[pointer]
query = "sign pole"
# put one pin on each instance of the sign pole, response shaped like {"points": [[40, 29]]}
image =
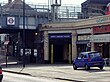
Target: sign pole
{"points": [[23, 33]]}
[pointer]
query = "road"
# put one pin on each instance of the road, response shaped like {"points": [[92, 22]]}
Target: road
{"points": [[10, 77], [57, 73]]}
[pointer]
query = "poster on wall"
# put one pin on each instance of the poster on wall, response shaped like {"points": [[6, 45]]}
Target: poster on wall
{"points": [[27, 52], [21, 52], [35, 52]]}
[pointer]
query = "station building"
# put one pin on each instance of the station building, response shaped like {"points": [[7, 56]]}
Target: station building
{"points": [[63, 41], [11, 29], [52, 42], [11, 25]]}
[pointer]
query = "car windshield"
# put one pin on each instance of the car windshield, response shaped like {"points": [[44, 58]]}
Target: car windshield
{"points": [[95, 54]]}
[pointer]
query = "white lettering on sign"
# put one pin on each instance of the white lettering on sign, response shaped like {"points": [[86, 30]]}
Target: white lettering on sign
{"points": [[100, 38], [101, 20]]}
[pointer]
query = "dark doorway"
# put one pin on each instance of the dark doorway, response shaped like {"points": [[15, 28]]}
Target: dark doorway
{"points": [[59, 47], [81, 48], [103, 48], [58, 53], [106, 50]]}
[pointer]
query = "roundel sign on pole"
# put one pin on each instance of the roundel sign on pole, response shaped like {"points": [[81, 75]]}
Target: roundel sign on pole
{"points": [[10, 20]]}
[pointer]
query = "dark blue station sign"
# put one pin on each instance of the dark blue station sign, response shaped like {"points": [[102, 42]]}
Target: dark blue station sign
{"points": [[60, 36]]}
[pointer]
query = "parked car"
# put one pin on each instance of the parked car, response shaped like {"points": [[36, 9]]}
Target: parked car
{"points": [[1, 75], [88, 59]]}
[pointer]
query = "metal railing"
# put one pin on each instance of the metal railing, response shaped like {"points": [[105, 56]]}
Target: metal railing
{"points": [[64, 11]]}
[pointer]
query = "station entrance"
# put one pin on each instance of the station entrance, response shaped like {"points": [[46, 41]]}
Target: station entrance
{"points": [[60, 48]]}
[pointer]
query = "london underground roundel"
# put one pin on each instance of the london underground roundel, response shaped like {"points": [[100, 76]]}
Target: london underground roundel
{"points": [[10, 20]]}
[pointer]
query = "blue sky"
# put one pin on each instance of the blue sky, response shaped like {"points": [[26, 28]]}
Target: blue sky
{"points": [[75, 2]]}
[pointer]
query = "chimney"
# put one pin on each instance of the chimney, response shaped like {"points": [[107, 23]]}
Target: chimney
{"points": [[9, 1]]}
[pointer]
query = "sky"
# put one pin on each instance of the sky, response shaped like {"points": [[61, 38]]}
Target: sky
{"points": [[73, 2]]}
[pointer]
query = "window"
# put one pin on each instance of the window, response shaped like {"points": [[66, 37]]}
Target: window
{"points": [[31, 21], [80, 56], [85, 56], [93, 55], [28, 20], [21, 21]]}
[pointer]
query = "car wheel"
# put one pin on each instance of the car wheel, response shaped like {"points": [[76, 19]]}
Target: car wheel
{"points": [[87, 67], [101, 67], [74, 67]]}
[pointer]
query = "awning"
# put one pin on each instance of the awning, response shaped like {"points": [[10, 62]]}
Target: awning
{"points": [[6, 42]]}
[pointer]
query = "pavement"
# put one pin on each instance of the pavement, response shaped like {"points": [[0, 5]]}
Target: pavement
{"points": [[62, 72]]}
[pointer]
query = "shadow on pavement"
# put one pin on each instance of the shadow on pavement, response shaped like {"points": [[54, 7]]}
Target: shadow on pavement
{"points": [[69, 80], [92, 70]]}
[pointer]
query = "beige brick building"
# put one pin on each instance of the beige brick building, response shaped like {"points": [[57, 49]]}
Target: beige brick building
{"points": [[63, 41]]}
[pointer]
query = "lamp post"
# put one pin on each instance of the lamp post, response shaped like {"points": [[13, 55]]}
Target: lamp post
{"points": [[23, 33], [48, 11]]}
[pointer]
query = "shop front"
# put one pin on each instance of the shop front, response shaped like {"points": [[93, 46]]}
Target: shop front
{"points": [[83, 40], [83, 43], [102, 44], [101, 39]]}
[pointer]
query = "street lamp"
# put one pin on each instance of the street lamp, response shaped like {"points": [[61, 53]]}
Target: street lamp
{"points": [[48, 11], [23, 33]]}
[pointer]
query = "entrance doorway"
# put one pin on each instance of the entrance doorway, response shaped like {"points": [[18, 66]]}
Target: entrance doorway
{"points": [[103, 48], [58, 53], [60, 50]]}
